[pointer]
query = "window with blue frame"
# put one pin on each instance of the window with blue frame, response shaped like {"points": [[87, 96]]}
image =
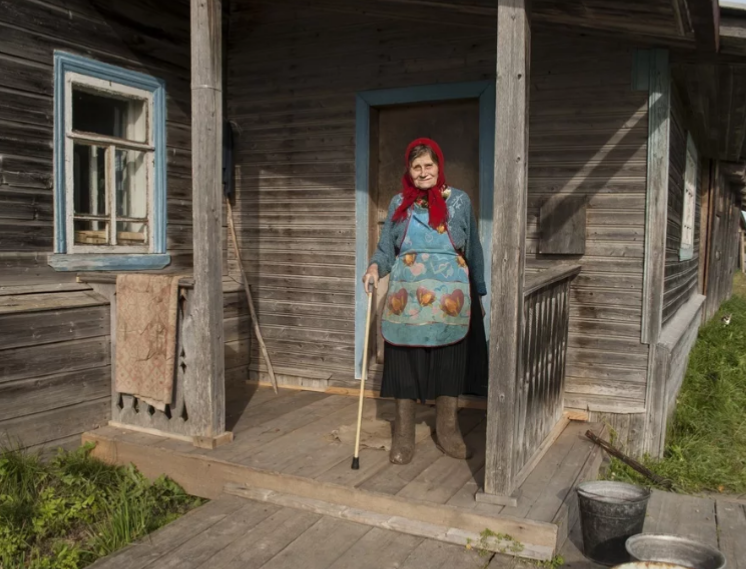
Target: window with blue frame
{"points": [[110, 167]]}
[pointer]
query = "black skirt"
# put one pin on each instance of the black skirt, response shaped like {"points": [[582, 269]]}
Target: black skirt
{"points": [[427, 373]]}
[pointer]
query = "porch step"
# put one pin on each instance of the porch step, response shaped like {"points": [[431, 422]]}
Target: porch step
{"points": [[284, 453], [408, 524]]}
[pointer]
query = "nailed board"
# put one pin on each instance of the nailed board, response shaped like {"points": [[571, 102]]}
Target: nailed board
{"points": [[562, 225]]}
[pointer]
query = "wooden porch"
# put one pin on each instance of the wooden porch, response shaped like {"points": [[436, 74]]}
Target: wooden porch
{"points": [[233, 533], [294, 449]]}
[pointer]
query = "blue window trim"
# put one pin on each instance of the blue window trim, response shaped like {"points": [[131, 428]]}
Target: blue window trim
{"points": [[484, 91], [68, 63]]}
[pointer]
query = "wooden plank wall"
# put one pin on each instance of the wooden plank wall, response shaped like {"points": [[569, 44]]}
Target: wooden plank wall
{"points": [[293, 75], [147, 36], [681, 276], [588, 138], [724, 210], [56, 383], [54, 366]]}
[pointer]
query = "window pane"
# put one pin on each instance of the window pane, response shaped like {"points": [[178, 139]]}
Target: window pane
{"points": [[101, 113], [132, 233], [91, 232], [89, 179], [132, 183]]}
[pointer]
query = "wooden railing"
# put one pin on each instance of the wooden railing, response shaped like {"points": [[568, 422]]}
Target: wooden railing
{"points": [[540, 390]]}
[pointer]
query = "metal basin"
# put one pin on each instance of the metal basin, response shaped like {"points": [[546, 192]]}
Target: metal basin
{"points": [[676, 550], [649, 565]]}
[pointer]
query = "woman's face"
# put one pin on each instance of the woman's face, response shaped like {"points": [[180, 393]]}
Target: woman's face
{"points": [[424, 172]]}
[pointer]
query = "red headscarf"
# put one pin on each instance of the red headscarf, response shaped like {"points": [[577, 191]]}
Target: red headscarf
{"points": [[437, 205]]}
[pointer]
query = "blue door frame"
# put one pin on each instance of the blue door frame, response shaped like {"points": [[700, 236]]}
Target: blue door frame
{"points": [[484, 91]]}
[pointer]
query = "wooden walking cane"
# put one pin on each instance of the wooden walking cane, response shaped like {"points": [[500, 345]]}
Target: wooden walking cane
{"points": [[246, 287], [356, 456]]}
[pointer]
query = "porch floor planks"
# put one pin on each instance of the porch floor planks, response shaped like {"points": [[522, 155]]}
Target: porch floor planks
{"points": [[320, 545], [438, 555], [392, 478], [378, 548], [277, 406], [235, 533], [162, 542], [251, 440], [442, 479], [262, 543], [731, 519], [198, 552], [291, 435], [686, 516], [547, 487], [374, 460], [294, 453]]}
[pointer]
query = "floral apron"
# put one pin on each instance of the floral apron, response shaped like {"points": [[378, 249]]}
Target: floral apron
{"points": [[428, 302]]}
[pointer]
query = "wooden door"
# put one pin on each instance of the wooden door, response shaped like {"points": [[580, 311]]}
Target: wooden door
{"points": [[454, 125]]}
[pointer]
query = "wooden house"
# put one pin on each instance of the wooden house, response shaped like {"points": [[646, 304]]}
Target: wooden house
{"points": [[602, 146]]}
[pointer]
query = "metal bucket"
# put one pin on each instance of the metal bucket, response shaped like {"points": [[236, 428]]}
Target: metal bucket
{"points": [[610, 513], [673, 549]]}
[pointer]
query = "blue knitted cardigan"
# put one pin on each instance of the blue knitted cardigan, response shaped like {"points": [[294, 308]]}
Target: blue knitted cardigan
{"points": [[461, 224]]}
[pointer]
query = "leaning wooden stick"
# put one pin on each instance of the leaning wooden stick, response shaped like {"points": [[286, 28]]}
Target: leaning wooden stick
{"points": [[631, 462], [356, 456], [249, 298]]}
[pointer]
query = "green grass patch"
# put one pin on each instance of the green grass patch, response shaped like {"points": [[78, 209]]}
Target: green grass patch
{"points": [[67, 512], [706, 440]]}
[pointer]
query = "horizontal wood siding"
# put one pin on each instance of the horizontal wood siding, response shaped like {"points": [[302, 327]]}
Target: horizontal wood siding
{"points": [[147, 36], [55, 374], [292, 77], [293, 74], [724, 213], [681, 276], [588, 138]]}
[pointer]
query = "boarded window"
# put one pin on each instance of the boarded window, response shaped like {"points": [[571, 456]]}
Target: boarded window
{"points": [[562, 225], [686, 248]]}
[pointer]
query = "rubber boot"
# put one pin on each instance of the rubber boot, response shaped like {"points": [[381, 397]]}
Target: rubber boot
{"points": [[402, 443], [447, 430]]}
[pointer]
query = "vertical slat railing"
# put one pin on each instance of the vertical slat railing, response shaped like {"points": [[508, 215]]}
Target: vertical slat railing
{"points": [[539, 394]]}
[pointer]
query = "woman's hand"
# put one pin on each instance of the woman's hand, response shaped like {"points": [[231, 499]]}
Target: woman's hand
{"points": [[371, 276]]}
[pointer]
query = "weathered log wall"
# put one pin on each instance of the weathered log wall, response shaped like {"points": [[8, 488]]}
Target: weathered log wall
{"points": [[54, 365], [681, 276], [293, 75], [723, 211], [588, 139], [147, 36], [54, 344]]}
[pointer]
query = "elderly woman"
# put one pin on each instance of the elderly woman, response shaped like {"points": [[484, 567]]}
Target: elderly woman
{"points": [[435, 345]]}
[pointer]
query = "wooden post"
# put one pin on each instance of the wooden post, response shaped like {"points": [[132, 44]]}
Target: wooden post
{"points": [[508, 248], [656, 201], [207, 362], [656, 212]]}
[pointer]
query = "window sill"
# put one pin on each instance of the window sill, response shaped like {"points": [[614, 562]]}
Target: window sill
{"points": [[686, 254], [84, 262]]}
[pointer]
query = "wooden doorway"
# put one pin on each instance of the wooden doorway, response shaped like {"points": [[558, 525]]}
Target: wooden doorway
{"points": [[454, 125], [431, 105]]}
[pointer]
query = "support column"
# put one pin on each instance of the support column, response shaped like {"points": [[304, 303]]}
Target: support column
{"points": [[508, 247], [207, 361]]}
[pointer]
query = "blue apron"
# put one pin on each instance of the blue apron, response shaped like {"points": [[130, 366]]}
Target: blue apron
{"points": [[428, 302]]}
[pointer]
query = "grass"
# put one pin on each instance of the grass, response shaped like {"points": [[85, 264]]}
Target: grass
{"points": [[706, 440], [74, 509]]}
